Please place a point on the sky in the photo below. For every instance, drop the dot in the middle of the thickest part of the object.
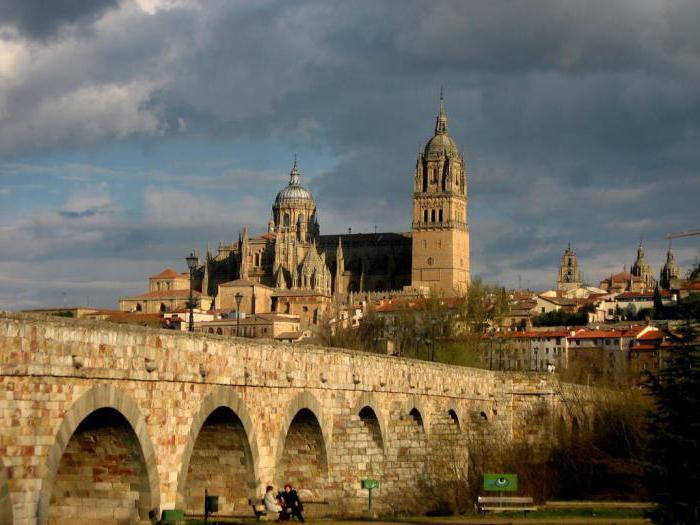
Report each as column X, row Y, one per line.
column 133, row 131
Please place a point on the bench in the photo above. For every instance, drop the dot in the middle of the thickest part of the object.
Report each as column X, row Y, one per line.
column 506, row 504
column 260, row 512
column 258, row 506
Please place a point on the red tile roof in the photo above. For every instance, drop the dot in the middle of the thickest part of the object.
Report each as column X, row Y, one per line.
column 632, row 295
column 167, row 273
column 596, row 334
column 651, row 335
column 165, row 294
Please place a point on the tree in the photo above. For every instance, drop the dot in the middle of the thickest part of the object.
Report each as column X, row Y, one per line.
column 658, row 304
column 672, row 473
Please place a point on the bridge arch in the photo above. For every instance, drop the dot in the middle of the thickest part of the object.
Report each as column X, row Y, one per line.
column 416, row 405
column 453, row 413
column 368, row 401
column 306, row 432
column 113, row 400
column 222, row 406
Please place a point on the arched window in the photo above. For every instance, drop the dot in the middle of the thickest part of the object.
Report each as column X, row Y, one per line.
column 432, row 215
column 257, row 259
column 139, row 307
column 425, row 215
column 425, row 181
column 163, row 308
column 286, row 219
column 440, row 215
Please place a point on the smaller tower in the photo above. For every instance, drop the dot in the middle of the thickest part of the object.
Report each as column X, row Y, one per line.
column 339, row 269
column 569, row 272
column 243, row 250
column 641, row 269
column 670, row 272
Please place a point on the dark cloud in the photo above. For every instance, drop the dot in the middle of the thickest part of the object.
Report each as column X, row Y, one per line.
column 40, row 19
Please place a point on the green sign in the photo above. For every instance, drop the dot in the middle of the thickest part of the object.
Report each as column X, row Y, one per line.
column 501, row 482
column 370, row 483
column 173, row 516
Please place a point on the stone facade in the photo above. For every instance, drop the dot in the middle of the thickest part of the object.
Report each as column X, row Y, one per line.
column 181, row 412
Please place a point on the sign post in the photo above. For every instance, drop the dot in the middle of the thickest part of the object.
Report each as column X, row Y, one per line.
column 370, row 484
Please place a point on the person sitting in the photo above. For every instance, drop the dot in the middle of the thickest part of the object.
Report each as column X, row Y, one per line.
column 292, row 503
column 270, row 501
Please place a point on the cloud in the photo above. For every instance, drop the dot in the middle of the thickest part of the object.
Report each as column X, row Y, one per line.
column 41, row 20
column 580, row 121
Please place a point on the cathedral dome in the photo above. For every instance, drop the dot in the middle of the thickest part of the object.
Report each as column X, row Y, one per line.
column 294, row 192
column 441, row 144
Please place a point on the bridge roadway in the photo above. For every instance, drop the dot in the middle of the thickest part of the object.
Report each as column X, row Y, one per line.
column 103, row 423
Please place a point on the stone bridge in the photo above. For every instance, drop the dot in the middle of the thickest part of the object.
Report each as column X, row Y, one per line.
column 104, row 423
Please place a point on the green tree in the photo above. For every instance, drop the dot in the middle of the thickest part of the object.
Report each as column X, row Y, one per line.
column 672, row 473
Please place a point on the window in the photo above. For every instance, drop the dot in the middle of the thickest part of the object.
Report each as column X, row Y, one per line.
column 432, row 215
column 425, row 215
column 286, row 219
column 440, row 215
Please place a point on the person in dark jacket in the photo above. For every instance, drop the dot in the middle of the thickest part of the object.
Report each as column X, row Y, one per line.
column 292, row 502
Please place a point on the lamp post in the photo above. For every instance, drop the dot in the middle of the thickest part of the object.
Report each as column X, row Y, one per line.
column 192, row 261
column 238, row 297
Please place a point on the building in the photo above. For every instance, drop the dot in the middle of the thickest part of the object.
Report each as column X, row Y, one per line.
column 533, row 350
column 168, row 291
column 440, row 256
column 293, row 269
column 642, row 270
column 603, row 353
column 258, row 326
column 569, row 272
column 629, row 304
column 669, row 278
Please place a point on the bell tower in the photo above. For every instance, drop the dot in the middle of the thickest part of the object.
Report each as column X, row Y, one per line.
column 440, row 256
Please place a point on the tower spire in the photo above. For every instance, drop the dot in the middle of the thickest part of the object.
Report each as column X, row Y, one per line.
column 294, row 174
column 441, row 121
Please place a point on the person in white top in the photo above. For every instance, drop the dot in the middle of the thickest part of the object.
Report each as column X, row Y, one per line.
column 270, row 500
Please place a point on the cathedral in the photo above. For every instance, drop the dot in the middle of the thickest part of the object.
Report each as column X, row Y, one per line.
column 292, row 257
column 293, row 269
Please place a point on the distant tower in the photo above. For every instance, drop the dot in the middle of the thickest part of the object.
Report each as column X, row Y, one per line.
column 569, row 272
column 244, row 253
column 641, row 269
column 440, row 235
column 339, row 269
column 670, row 272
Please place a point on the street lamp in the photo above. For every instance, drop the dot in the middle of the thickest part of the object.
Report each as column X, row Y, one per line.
column 192, row 261
column 238, row 297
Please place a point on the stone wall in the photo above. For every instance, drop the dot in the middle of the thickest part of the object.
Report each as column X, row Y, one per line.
column 290, row 413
